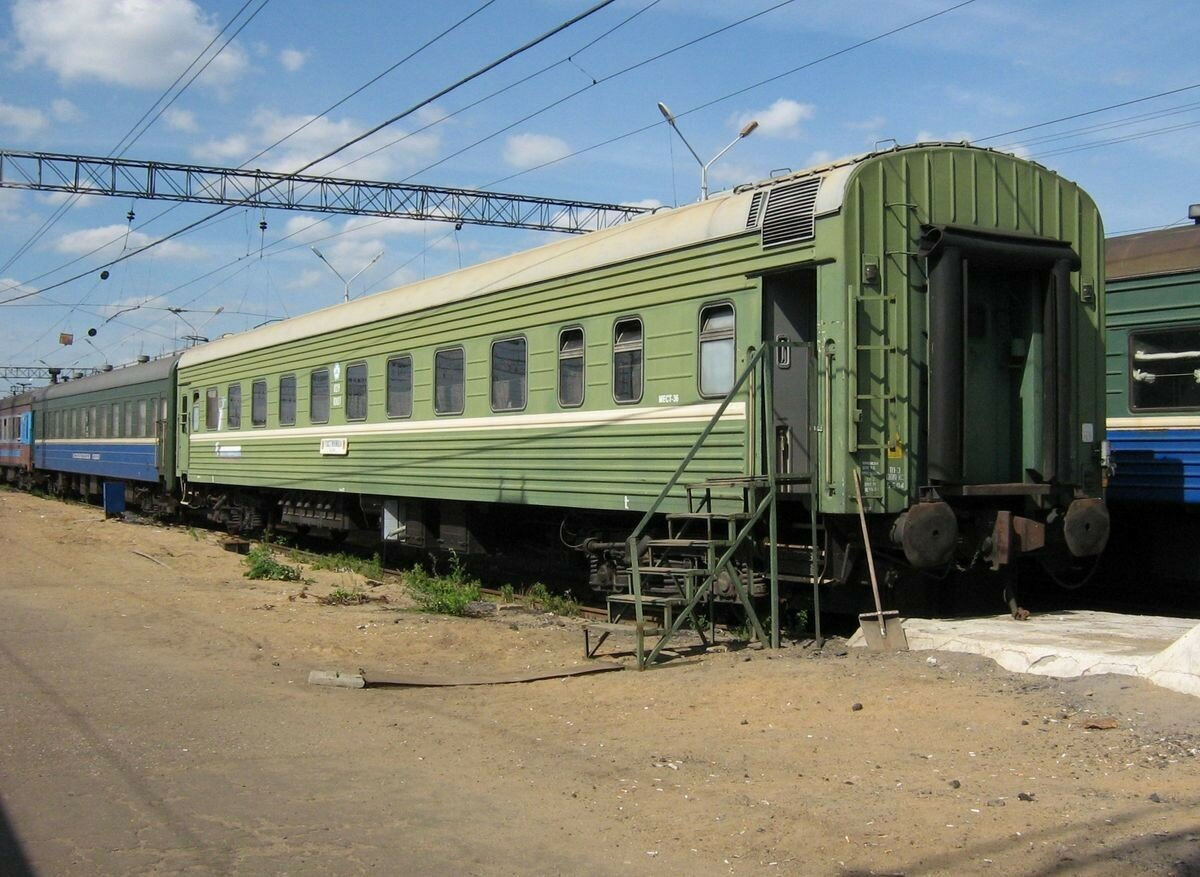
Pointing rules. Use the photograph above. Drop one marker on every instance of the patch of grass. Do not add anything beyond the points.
(539, 597)
(345, 597)
(507, 593)
(700, 619)
(743, 631)
(446, 594)
(342, 562)
(263, 565)
(798, 626)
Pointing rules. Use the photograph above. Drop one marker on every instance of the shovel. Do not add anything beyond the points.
(883, 631)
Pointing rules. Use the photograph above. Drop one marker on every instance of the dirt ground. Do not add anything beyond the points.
(155, 718)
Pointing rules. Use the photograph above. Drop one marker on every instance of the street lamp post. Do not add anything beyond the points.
(347, 283)
(746, 131)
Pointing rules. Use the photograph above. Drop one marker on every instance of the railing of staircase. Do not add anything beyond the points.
(758, 377)
(634, 538)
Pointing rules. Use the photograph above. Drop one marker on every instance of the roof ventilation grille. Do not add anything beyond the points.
(753, 217)
(789, 215)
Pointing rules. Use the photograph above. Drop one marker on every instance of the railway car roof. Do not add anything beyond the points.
(722, 215)
(9, 403)
(138, 373)
(1152, 253)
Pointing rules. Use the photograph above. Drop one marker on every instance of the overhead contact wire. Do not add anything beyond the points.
(369, 82)
(740, 91)
(358, 139)
(122, 145)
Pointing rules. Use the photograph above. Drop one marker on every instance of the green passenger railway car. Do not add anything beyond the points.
(924, 321)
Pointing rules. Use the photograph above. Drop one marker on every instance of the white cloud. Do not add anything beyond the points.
(350, 243)
(11, 201)
(181, 120)
(986, 103)
(10, 286)
(83, 199)
(382, 156)
(351, 255)
(820, 157)
(430, 114)
(391, 227)
(113, 237)
(530, 150)
(133, 302)
(780, 119)
(292, 59)
(22, 121)
(137, 43)
(872, 124)
(310, 278)
(305, 228)
(926, 136)
(648, 203)
(732, 173)
(65, 111)
(228, 150)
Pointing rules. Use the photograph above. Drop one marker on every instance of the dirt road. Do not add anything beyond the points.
(155, 719)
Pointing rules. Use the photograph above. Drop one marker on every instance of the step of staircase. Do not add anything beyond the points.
(618, 627)
(673, 571)
(647, 599)
(685, 544)
(709, 516)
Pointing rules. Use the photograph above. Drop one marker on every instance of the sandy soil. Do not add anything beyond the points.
(155, 718)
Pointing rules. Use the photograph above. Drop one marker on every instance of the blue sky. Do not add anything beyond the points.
(575, 117)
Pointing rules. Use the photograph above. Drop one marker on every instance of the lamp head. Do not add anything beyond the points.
(662, 108)
(748, 129)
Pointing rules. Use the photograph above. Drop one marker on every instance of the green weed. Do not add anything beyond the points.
(539, 597)
(263, 565)
(345, 597)
(342, 562)
(799, 624)
(446, 594)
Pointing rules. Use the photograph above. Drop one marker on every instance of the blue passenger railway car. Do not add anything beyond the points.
(109, 427)
(1153, 354)
(1153, 387)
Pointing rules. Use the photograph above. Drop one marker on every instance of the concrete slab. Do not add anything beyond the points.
(1165, 651)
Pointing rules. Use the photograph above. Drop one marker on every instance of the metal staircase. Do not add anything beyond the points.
(705, 551)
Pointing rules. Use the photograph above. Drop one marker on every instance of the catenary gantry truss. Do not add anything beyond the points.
(257, 188)
(39, 372)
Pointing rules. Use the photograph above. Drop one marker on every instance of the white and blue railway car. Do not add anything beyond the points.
(16, 439)
(113, 427)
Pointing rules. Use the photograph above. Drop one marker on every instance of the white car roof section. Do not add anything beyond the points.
(723, 215)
